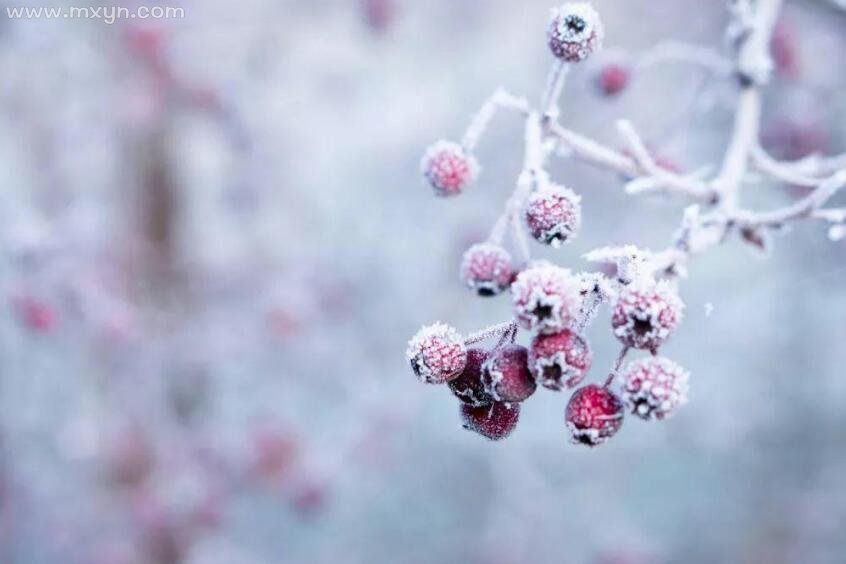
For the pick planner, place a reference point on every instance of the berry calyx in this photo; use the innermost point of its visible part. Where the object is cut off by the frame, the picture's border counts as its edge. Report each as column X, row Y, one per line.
column 546, row 298
column 593, row 415
column 506, row 374
column 495, row 421
column 646, row 314
column 448, row 168
column 437, row 353
column 553, row 215
column 559, row 360
column 654, row 387
column 468, row 387
column 486, row 269
column 575, row 32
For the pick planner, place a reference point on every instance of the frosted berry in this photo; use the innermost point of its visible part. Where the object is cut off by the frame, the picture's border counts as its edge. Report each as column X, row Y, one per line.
column 506, row 374
column 449, row 168
column 437, row 354
column 575, row 31
column 553, row 215
column 468, row 387
column 546, row 298
column 559, row 360
column 646, row 314
column 593, row 415
column 654, row 387
column 613, row 79
column 486, row 268
column 495, row 421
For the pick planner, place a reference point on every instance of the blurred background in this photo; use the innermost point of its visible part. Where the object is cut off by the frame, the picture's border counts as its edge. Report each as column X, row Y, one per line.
column 214, row 244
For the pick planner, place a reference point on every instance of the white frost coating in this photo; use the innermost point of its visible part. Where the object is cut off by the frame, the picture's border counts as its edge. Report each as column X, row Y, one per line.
column 546, row 298
column 654, row 387
column 577, row 23
column 647, row 312
column 428, row 368
column 432, row 169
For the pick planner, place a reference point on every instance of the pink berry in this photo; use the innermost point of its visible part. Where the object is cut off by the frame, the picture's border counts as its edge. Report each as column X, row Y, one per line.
column 495, row 421
column 449, row 168
column 613, row 79
column 506, row 374
column 36, row 315
column 783, row 49
column 593, row 415
column 654, row 387
column 546, row 298
column 646, row 314
column 437, row 354
column 468, row 387
column 553, row 215
column 486, row 268
column 575, row 31
column 559, row 360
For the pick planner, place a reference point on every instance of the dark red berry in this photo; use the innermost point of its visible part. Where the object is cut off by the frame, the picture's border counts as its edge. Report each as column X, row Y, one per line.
column 506, row 374
column 468, row 387
column 593, row 415
column 495, row 421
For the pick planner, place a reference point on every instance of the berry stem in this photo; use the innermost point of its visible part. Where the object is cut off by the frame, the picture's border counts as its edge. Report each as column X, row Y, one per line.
column 554, row 85
column 479, row 124
column 616, row 368
column 494, row 330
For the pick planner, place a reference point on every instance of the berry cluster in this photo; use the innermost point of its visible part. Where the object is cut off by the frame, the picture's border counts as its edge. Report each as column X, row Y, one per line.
column 550, row 302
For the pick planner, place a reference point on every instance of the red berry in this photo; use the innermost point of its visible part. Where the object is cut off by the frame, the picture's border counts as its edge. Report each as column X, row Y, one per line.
column 486, row 268
column 495, row 421
column 437, row 354
column 559, row 360
column 646, row 314
column 553, row 215
column 654, row 387
column 468, row 387
column 36, row 315
column 546, row 298
column 449, row 168
column 593, row 415
column 574, row 32
column 613, row 79
column 506, row 374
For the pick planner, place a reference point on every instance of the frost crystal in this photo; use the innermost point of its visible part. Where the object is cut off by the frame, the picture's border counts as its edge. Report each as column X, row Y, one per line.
column 646, row 313
column 486, row 268
column 546, row 298
column 553, row 215
column 437, row 353
column 575, row 31
column 448, row 168
column 559, row 360
column 654, row 387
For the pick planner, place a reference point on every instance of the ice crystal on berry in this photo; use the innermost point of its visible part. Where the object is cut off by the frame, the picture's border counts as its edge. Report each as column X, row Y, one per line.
column 553, row 215
column 654, row 387
column 646, row 314
column 559, row 360
column 593, row 415
column 575, row 31
column 449, row 168
column 486, row 269
column 437, row 353
column 546, row 298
